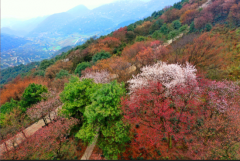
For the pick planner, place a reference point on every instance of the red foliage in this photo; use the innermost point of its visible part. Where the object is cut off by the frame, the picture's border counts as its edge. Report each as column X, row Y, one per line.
column 16, row 88
column 165, row 115
column 49, row 138
column 188, row 16
column 120, row 33
column 203, row 19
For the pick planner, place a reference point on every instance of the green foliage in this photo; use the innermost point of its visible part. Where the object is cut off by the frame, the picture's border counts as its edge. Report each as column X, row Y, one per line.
column 192, row 27
column 208, row 27
column 62, row 73
column 164, row 29
column 238, row 31
column 140, row 38
column 183, row 28
column 8, row 74
column 104, row 113
column 76, row 96
column 131, row 27
column 8, row 106
column 173, row 34
column 45, row 64
column 176, row 24
column 32, row 95
column 157, row 35
column 101, row 55
column 81, row 67
column 156, row 26
column 39, row 73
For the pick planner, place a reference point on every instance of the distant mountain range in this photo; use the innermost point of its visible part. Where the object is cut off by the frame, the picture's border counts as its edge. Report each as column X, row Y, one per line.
column 51, row 33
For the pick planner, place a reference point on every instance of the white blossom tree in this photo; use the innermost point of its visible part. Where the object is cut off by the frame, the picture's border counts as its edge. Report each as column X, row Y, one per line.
column 169, row 75
column 98, row 77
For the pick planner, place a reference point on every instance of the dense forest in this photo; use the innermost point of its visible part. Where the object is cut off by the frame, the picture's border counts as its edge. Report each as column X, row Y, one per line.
column 165, row 87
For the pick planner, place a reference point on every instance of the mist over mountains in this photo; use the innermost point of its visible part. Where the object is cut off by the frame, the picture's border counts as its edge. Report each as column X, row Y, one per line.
column 51, row 33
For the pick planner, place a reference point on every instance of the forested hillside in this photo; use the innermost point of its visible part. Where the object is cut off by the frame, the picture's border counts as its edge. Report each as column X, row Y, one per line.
column 165, row 87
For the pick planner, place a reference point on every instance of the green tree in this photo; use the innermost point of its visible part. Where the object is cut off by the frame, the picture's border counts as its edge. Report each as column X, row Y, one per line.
column 164, row 29
column 45, row 64
column 192, row 27
column 140, row 38
column 76, row 96
column 173, row 34
column 32, row 95
column 104, row 114
column 9, row 106
column 81, row 67
column 176, row 24
column 62, row 73
column 157, row 35
column 39, row 73
column 183, row 28
column 156, row 26
column 101, row 55
column 208, row 27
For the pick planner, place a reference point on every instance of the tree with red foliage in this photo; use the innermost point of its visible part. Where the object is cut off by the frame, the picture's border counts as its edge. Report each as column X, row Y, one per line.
column 45, row 140
column 165, row 116
column 204, row 51
column 120, row 33
column 203, row 19
column 188, row 17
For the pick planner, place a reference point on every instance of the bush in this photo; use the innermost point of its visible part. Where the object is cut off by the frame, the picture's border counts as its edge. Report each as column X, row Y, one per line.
column 32, row 95
column 173, row 34
column 208, row 27
column 81, row 67
column 183, row 28
column 176, row 24
column 101, row 55
column 62, row 74
column 45, row 64
column 141, row 38
column 8, row 106
column 39, row 73
column 157, row 35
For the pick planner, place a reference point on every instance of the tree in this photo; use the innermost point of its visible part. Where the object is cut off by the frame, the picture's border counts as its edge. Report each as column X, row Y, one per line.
column 62, row 73
column 164, row 29
column 32, row 95
column 161, row 116
column 81, row 67
column 156, row 26
column 188, row 17
column 45, row 64
column 54, row 69
column 169, row 75
column 208, row 27
column 120, row 33
column 76, row 96
column 101, row 55
column 43, row 109
column 9, row 106
column 104, row 113
column 176, row 24
column 202, row 20
column 98, row 77
column 192, row 28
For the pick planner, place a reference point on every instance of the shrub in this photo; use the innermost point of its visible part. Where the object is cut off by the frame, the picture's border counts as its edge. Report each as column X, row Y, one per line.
column 140, row 38
column 81, row 67
column 183, row 28
column 45, row 64
column 39, row 73
column 176, row 24
column 62, row 74
column 101, row 55
column 8, row 106
column 32, row 95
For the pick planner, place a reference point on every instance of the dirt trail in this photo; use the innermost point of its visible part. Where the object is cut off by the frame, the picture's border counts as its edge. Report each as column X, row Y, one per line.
column 18, row 138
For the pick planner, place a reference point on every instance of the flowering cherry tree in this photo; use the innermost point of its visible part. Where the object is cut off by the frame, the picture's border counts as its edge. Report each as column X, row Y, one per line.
column 169, row 75
column 98, row 77
column 43, row 109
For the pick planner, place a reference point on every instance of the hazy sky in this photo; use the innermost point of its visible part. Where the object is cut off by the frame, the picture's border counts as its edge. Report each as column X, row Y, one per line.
column 25, row 9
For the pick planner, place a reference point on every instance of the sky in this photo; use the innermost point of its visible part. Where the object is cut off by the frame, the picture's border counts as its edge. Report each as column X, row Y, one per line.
column 26, row 9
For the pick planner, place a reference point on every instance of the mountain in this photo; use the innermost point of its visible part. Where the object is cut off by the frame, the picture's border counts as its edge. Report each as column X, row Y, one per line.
column 9, row 42
column 78, row 11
